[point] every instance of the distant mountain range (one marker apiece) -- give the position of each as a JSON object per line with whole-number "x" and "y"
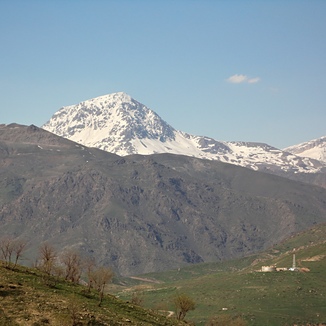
{"x": 172, "y": 199}
{"x": 119, "y": 124}
{"x": 143, "y": 213}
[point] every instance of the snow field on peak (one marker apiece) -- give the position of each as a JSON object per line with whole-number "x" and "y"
{"x": 315, "y": 149}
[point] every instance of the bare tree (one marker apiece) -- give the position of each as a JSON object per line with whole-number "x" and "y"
{"x": 19, "y": 247}
{"x": 48, "y": 258}
{"x": 89, "y": 266}
{"x": 100, "y": 277}
{"x": 73, "y": 266}
{"x": 7, "y": 248}
{"x": 183, "y": 304}
{"x": 11, "y": 249}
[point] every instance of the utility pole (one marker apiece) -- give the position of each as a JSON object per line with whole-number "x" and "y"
{"x": 293, "y": 264}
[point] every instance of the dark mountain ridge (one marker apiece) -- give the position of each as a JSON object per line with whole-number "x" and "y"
{"x": 143, "y": 213}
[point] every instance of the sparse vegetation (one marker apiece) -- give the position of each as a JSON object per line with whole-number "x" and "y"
{"x": 26, "y": 300}
{"x": 11, "y": 250}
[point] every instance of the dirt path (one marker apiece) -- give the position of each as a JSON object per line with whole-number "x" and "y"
{"x": 145, "y": 279}
{"x": 170, "y": 313}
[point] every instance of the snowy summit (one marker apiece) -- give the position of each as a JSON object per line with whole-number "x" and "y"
{"x": 315, "y": 149}
{"x": 119, "y": 124}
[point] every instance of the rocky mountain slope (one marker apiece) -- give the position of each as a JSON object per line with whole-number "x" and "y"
{"x": 118, "y": 124}
{"x": 143, "y": 213}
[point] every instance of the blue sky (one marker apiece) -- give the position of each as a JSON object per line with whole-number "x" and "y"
{"x": 231, "y": 70}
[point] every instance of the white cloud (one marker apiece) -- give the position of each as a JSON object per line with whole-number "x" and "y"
{"x": 253, "y": 80}
{"x": 238, "y": 79}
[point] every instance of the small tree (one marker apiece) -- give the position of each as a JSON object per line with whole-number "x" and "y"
{"x": 100, "y": 277}
{"x": 47, "y": 263}
{"x": 137, "y": 298}
{"x": 183, "y": 304}
{"x": 48, "y": 258}
{"x": 73, "y": 266}
{"x": 19, "y": 247}
{"x": 89, "y": 266}
{"x": 11, "y": 250}
{"x": 7, "y": 249}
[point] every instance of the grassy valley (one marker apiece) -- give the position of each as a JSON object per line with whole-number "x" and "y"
{"x": 235, "y": 288}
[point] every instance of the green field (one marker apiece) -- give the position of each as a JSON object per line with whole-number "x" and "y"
{"x": 275, "y": 298}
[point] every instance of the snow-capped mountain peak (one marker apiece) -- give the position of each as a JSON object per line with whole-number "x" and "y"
{"x": 114, "y": 122}
{"x": 119, "y": 124}
{"x": 315, "y": 149}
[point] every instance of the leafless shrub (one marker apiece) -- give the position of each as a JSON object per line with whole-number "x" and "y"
{"x": 100, "y": 277}
{"x": 7, "y": 248}
{"x": 89, "y": 267}
{"x": 72, "y": 266}
{"x": 19, "y": 247}
{"x": 48, "y": 258}
{"x": 47, "y": 263}
{"x": 137, "y": 298}
{"x": 11, "y": 251}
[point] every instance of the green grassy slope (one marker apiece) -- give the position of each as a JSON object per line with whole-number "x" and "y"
{"x": 26, "y": 300}
{"x": 277, "y": 298}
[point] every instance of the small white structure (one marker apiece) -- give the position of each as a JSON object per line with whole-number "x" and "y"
{"x": 293, "y": 264}
{"x": 294, "y": 267}
{"x": 268, "y": 268}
